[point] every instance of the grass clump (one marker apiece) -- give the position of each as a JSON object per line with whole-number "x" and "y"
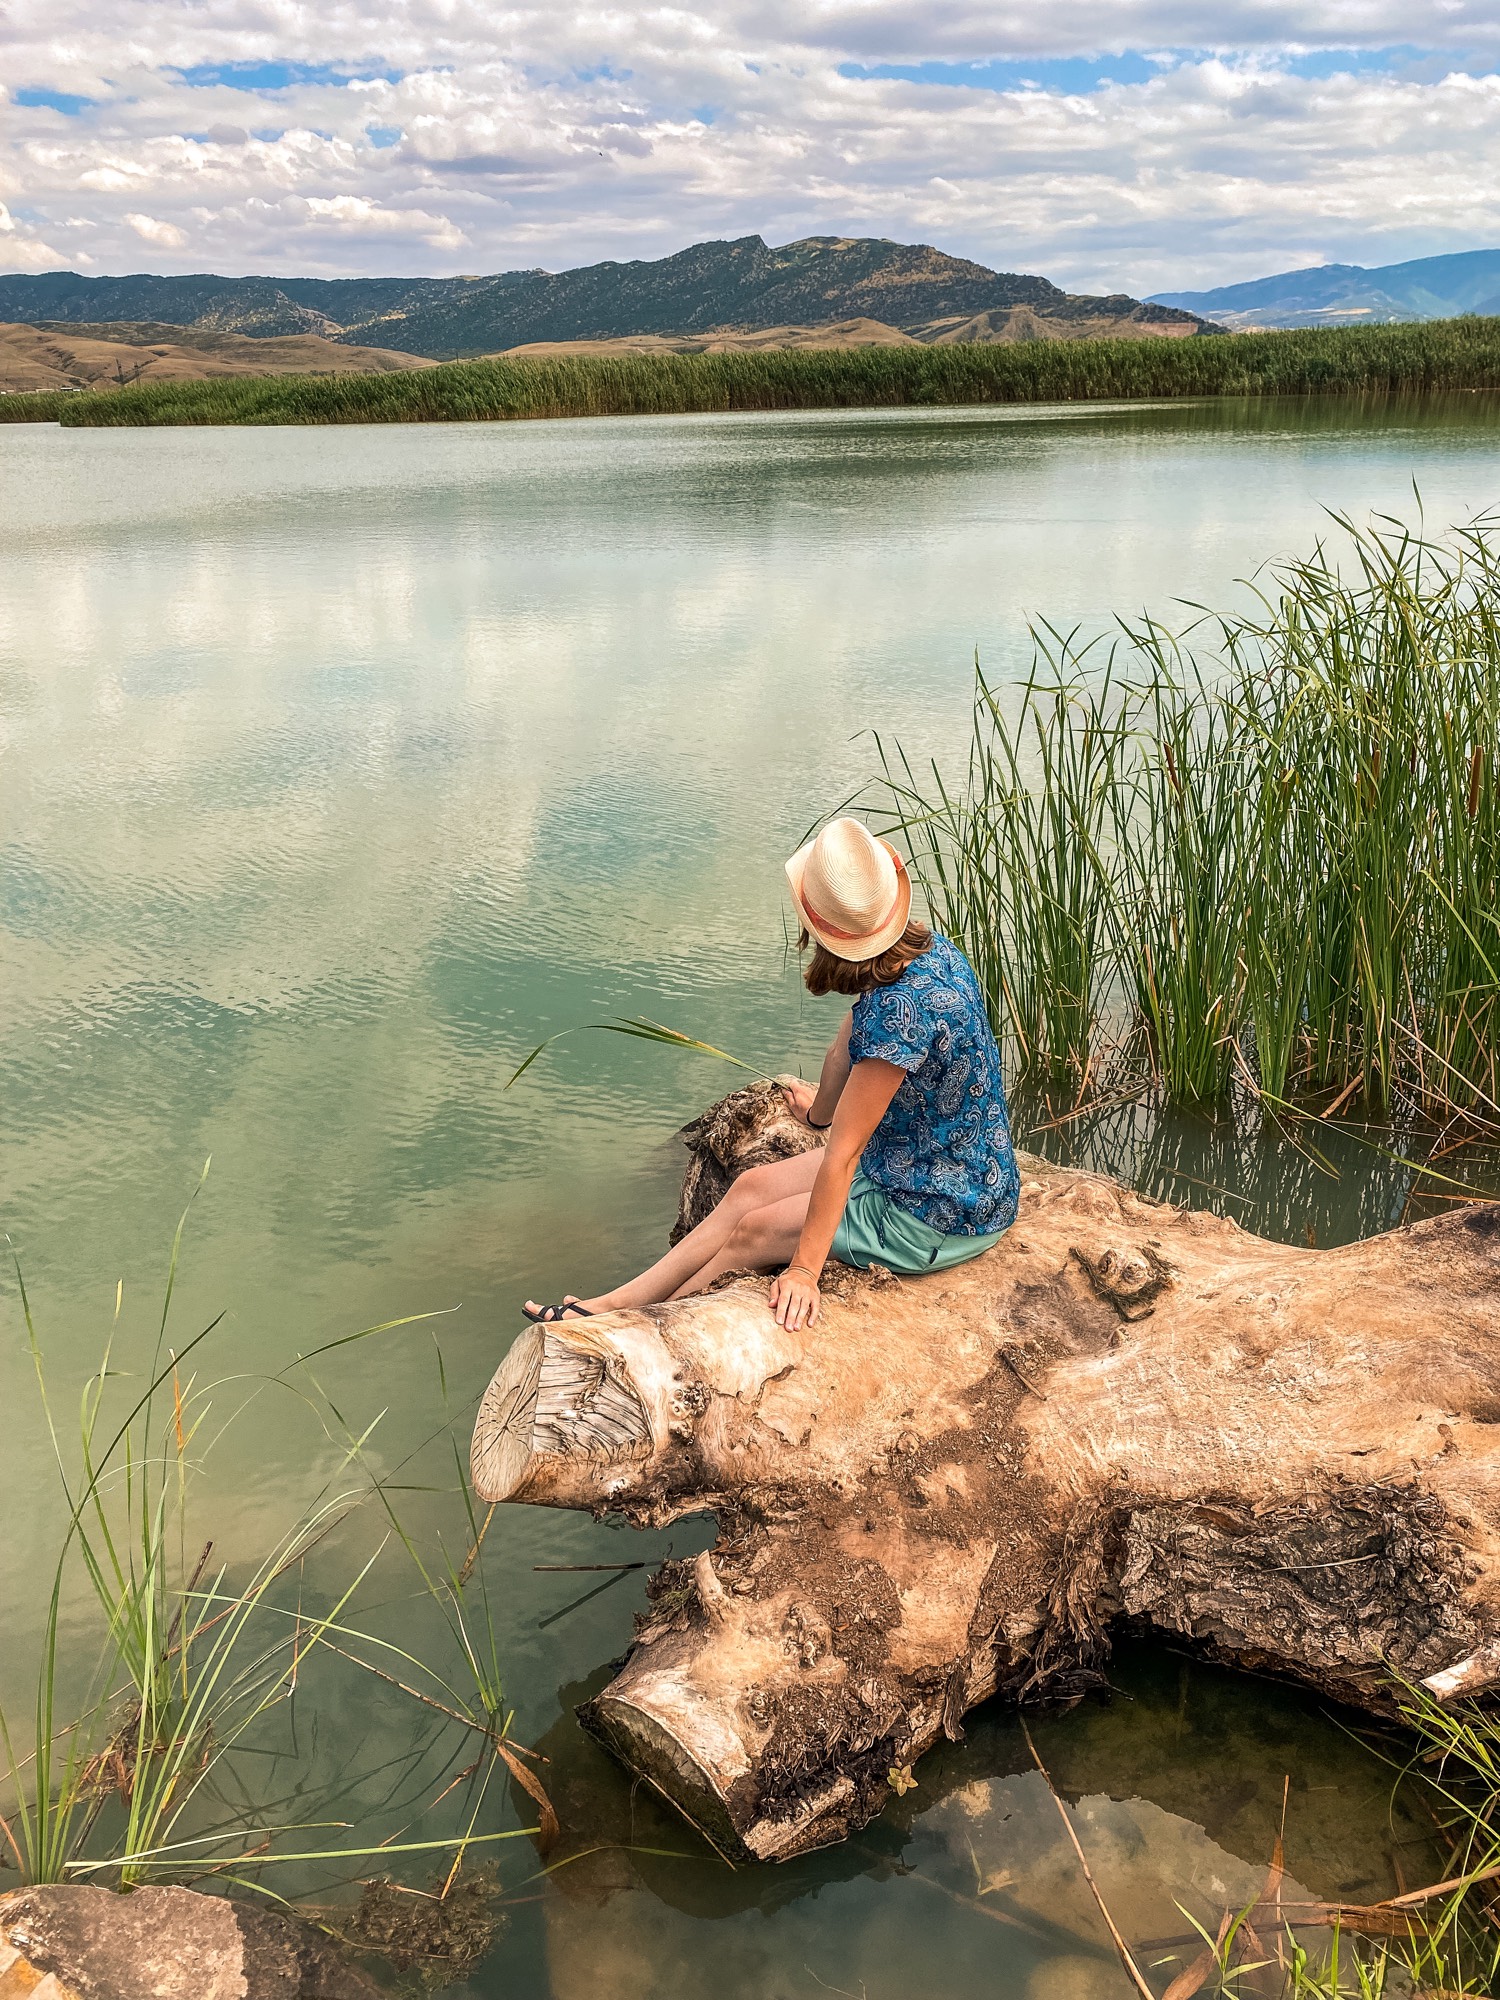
{"x": 151, "y": 1760}
{"x": 1444, "y": 355}
{"x": 1437, "y": 1943}
{"x": 1267, "y": 849}
{"x": 36, "y": 406}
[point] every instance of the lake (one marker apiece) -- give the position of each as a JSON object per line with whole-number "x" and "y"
{"x": 338, "y": 768}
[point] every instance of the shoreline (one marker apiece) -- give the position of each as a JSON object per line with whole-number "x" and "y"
{"x": 1424, "y": 358}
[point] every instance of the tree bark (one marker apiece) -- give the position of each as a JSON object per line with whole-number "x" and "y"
{"x": 956, "y": 1485}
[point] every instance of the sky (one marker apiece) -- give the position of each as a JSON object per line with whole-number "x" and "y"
{"x": 1111, "y": 145}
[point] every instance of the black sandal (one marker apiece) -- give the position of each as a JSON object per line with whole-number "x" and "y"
{"x": 550, "y": 1315}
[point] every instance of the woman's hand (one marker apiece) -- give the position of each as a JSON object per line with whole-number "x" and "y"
{"x": 794, "y": 1298}
{"x": 801, "y": 1096}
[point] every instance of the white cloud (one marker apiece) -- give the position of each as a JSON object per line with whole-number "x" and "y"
{"x": 21, "y": 250}
{"x": 166, "y": 235}
{"x": 878, "y": 30}
{"x": 439, "y": 134}
{"x": 358, "y": 215}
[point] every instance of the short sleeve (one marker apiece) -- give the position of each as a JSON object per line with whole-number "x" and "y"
{"x": 889, "y": 1026}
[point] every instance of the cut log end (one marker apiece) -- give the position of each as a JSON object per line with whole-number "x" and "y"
{"x": 645, "y": 1745}
{"x": 560, "y": 1412}
{"x": 500, "y": 1454}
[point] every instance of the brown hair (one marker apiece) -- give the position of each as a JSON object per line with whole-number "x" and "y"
{"x": 824, "y": 973}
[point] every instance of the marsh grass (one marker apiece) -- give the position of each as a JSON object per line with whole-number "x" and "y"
{"x": 639, "y": 1029}
{"x": 1263, "y": 851}
{"x": 1441, "y": 1942}
{"x": 1446, "y": 355}
{"x": 130, "y": 1766}
{"x": 1451, "y": 1945}
{"x": 1027, "y": 866}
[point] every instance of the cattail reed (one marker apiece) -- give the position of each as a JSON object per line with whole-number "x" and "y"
{"x": 1268, "y": 858}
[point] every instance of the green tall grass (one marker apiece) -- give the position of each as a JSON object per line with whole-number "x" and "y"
{"x": 129, "y": 1763}
{"x": 1034, "y": 875}
{"x": 1265, "y": 848}
{"x": 37, "y": 406}
{"x": 1451, "y": 1946}
{"x": 1458, "y": 354}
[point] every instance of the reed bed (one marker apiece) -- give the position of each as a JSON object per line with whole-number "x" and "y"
{"x": 1447, "y": 355}
{"x": 1262, "y": 854}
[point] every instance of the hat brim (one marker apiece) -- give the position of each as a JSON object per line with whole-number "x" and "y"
{"x": 872, "y": 943}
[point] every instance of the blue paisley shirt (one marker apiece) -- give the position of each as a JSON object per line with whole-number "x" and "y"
{"x": 942, "y": 1151}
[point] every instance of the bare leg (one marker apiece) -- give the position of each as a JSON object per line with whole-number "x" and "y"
{"x": 764, "y": 1238}
{"x": 755, "y": 1189}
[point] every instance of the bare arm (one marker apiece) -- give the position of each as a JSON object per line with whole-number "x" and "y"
{"x": 862, "y": 1104}
{"x": 817, "y": 1107}
{"x": 835, "y": 1075}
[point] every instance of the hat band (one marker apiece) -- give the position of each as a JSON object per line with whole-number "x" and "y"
{"x": 851, "y": 937}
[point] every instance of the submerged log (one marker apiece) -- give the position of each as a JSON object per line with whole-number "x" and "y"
{"x": 956, "y": 1485}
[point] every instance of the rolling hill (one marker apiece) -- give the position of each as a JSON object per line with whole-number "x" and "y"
{"x": 1005, "y": 326}
{"x": 114, "y": 355}
{"x": 1349, "y": 294}
{"x": 743, "y": 285}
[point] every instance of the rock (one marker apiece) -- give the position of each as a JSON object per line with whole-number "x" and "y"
{"x": 166, "y": 1944}
{"x": 20, "y": 1980}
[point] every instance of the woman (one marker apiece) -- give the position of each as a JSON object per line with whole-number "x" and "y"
{"x": 918, "y": 1172}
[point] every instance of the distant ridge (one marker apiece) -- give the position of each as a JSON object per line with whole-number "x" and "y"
{"x": 741, "y": 284}
{"x": 1426, "y": 288}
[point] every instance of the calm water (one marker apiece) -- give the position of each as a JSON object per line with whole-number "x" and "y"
{"x": 339, "y": 767}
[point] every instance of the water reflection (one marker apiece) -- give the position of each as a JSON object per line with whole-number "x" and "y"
{"x": 1298, "y": 1180}
{"x": 336, "y": 768}
{"x": 969, "y": 1886}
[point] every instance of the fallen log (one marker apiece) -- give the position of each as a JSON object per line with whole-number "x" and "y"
{"x": 955, "y": 1485}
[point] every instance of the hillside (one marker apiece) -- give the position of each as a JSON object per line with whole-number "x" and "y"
{"x": 113, "y": 355}
{"x": 1346, "y": 294}
{"x": 742, "y": 284}
{"x": 1002, "y": 328}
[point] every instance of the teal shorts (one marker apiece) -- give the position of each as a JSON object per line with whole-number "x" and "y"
{"x": 876, "y": 1231}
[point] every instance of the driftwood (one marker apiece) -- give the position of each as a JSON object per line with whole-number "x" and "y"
{"x": 954, "y": 1486}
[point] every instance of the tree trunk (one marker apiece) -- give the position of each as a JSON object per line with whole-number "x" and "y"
{"x": 955, "y": 1485}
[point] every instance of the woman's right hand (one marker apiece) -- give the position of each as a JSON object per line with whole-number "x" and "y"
{"x": 794, "y": 1298}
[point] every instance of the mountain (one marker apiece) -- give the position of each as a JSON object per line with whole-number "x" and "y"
{"x": 743, "y": 284}
{"x": 1346, "y": 294}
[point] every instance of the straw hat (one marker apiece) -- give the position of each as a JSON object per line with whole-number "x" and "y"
{"x": 851, "y": 890}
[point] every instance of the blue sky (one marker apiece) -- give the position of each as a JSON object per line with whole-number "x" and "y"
{"x": 1139, "y": 145}
{"x": 1081, "y": 74}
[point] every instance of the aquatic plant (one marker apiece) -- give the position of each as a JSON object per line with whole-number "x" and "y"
{"x": 1445, "y": 1939}
{"x": 641, "y": 1030}
{"x": 1264, "y": 848}
{"x": 1458, "y": 354}
{"x": 1028, "y": 867}
{"x": 126, "y": 1769}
